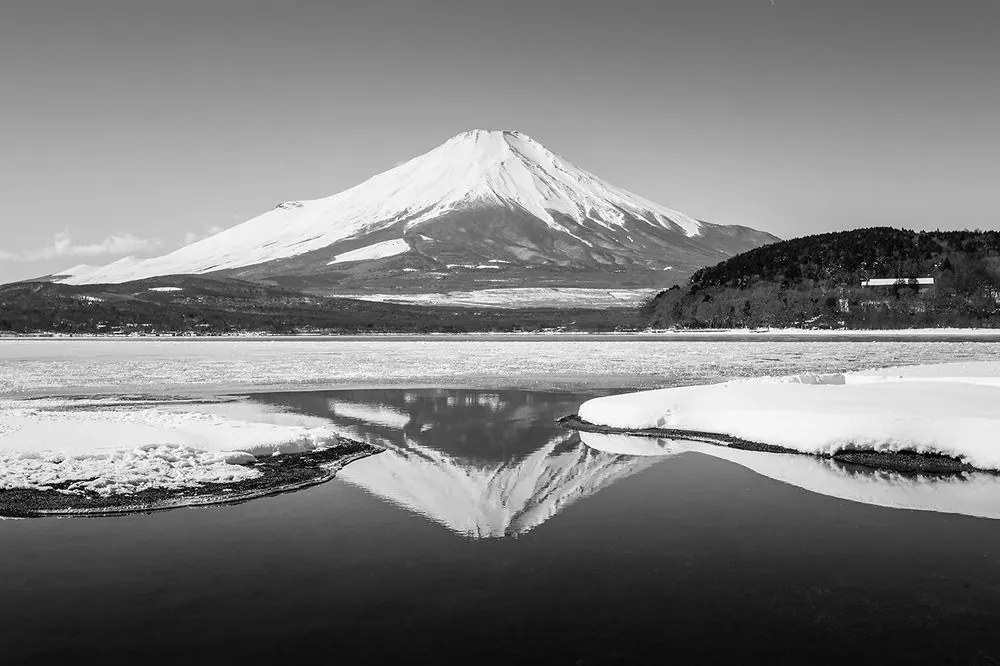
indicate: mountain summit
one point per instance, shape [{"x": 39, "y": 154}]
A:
[{"x": 486, "y": 208}]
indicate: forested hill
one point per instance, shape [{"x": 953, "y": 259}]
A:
[
  {"x": 847, "y": 257},
  {"x": 816, "y": 281}
]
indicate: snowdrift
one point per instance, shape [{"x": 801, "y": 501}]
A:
[
  {"x": 951, "y": 410},
  {"x": 78, "y": 446}
]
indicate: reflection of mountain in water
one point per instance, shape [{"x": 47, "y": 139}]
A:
[
  {"x": 484, "y": 464},
  {"x": 971, "y": 494}
]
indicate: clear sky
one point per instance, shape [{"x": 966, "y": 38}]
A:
[{"x": 132, "y": 126}]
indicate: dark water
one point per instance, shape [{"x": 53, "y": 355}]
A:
[{"x": 488, "y": 535}]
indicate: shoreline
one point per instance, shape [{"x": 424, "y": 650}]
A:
[
  {"x": 904, "y": 462},
  {"x": 653, "y": 334},
  {"x": 280, "y": 474}
]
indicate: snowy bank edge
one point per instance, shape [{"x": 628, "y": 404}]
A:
[
  {"x": 874, "y": 417},
  {"x": 893, "y": 461},
  {"x": 324, "y": 464}
]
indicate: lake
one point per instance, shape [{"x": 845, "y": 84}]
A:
[{"x": 486, "y": 533}]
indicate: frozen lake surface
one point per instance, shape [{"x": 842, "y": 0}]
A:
[{"x": 75, "y": 366}]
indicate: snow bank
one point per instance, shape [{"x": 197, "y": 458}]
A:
[
  {"x": 951, "y": 409},
  {"x": 118, "y": 449},
  {"x": 972, "y": 494}
]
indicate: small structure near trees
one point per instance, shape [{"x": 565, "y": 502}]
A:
[{"x": 919, "y": 283}]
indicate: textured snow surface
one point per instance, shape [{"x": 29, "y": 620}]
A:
[
  {"x": 473, "y": 169},
  {"x": 138, "y": 365},
  {"x": 389, "y": 248},
  {"x": 952, "y": 409},
  {"x": 520, "y": 297},
  {"x": 971, "y": 494},
  {"x": 114, "y": 448}
]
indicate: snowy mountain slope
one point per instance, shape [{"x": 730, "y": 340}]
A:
[{"x": 482, "y": 196}]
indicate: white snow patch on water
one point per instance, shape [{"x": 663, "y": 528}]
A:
[
  {"x": 951, "y": 409},
  {"x": 124, "y": 449}
]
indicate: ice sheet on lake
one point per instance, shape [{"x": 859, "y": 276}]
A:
[
  {"x": 970, "y": 494},
  {"x": 72, "y": 366},
  {"x": 950, "y": 409}
]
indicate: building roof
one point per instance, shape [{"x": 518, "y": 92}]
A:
[{"x": 889, "y": 282}]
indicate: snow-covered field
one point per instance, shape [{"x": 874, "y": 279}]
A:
[
  {"x": 950, "y": 409},
  {"x": 520, "y": 297},
  {"x": 111, "y": 447},
  {"x": 183, "y": 366}
]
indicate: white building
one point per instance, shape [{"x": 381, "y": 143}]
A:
[{"x": 902, "y": 282}]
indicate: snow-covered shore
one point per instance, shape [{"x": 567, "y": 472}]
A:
[
  {"x": 110, "y": 449},
  {"x": 949, "y": 409}
]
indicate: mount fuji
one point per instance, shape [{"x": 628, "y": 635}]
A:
[{"x": 487, "y": 209}]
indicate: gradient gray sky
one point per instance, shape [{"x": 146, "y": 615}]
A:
[{"x": 134, "y": 125}]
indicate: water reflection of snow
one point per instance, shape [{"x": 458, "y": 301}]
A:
[{"x": 971, "y": 494}]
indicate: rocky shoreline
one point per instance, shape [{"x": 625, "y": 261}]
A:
[
  {"x": 278, "y": 474},
  {"x": 906, "y": 462}
]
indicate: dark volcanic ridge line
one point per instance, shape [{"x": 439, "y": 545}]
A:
[
  {"x": 903, "y": 462},
  {"x": 280, "y": 474}
]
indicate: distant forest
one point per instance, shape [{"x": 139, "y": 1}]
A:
[
  {"x": 815, "y": 281},
  {"x": 210, "y": 307}
]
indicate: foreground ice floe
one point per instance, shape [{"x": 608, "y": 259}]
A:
[
  {"x": 118, "y": 449},
  {"x": 950, "y": 409},
  {"x": 970, "y": 494}
]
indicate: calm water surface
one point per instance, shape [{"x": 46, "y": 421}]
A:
[{"x": 487, "y": 534}]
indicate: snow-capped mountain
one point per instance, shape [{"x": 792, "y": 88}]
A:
[{"x": 487, "y": 208}]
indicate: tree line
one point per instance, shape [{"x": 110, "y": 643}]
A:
[{"x": 815, "y": 281}]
